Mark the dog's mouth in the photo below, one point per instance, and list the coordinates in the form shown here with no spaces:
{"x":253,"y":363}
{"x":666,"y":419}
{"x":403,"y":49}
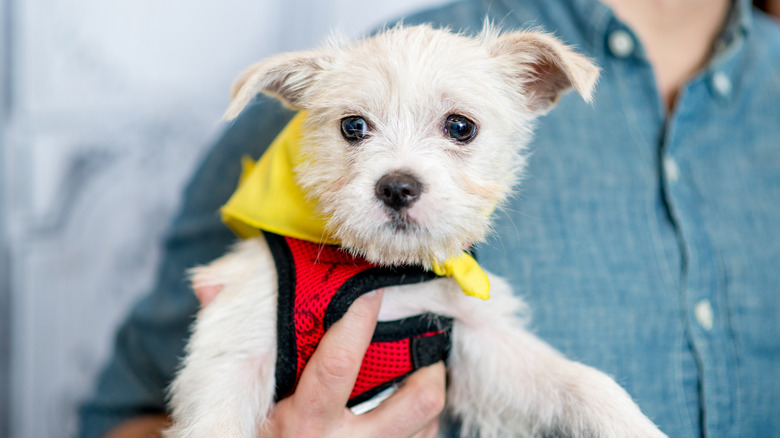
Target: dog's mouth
{"x":400,"y":222}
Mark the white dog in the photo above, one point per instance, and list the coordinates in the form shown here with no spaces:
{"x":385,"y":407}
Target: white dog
{"x":411,"y":139}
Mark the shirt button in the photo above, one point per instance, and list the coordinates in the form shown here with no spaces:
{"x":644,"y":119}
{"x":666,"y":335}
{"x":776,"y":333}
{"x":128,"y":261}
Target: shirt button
{"x":621,"y":43}
{"x":671,"y":170}
{"x":703,"y":313}
{"x":721,"y":83}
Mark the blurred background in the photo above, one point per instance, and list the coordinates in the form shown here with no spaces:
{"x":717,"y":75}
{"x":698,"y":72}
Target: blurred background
{"x":105,"y":107}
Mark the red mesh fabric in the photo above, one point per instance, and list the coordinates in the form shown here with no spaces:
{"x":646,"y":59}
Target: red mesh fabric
{"x":320,"y":271}
{"x":383,"y":362}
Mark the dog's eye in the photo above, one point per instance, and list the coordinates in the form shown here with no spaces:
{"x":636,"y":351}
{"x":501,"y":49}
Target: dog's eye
{"x":460,"y":128}
{"x":354,"y":128}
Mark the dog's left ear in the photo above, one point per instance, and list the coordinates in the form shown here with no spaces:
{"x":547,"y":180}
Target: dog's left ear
{"x":544,"y":68}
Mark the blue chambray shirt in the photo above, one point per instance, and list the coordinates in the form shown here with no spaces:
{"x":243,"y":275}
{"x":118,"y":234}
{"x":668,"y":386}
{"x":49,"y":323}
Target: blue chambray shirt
{"x":647,"y":244}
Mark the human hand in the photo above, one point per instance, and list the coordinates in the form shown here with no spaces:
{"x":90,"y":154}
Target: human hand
{"x":318,"y":406}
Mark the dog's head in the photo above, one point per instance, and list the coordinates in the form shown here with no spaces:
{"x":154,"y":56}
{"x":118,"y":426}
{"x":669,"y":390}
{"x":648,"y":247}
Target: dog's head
{"x":414,"y":136}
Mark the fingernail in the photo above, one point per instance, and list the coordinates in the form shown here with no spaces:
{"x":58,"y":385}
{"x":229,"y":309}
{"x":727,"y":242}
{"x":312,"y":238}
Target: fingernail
{"x":373,"y":295}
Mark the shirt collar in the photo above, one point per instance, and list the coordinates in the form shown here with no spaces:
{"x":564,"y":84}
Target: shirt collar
{"x":593,"y":14}
{"x":737,"y":27}
{"x":596,"y":18}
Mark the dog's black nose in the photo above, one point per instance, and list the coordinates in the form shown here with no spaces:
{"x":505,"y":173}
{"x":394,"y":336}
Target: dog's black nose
{"x":398,"y":190}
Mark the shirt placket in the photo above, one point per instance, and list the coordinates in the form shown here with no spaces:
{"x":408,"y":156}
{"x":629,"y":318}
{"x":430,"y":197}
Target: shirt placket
{"x":702,"y":282}
{"x":703,"y":289}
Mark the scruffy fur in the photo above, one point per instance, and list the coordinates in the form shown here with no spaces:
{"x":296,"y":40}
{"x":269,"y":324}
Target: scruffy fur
{"x":405,"y":82}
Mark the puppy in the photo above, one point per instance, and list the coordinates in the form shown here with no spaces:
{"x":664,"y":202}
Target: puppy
{"x":410,"y":140}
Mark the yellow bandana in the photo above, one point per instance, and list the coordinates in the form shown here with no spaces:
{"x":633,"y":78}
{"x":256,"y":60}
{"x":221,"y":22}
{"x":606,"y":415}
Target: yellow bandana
{"x":268,"y":198}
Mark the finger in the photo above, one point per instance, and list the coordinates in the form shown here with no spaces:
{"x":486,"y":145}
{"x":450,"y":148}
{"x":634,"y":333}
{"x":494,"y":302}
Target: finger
{"x":206,"y":294}
{"x":419,"y":402}
{"x":328,"y":378}
{"x":430,"y":431}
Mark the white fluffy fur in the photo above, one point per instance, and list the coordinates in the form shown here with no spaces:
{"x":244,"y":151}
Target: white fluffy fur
{"x":405,"y":82}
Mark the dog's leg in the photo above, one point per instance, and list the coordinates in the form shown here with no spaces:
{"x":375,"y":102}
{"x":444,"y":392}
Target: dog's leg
{"x":507,"y":382}
{"x":226,"y":385}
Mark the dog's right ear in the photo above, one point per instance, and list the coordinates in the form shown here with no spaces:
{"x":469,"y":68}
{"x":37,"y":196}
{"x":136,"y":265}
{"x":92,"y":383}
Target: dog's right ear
{"x":285,"y":77}
{"x":544,"y":68}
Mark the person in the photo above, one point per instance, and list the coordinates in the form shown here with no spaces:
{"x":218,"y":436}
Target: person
{"x":646,"y":239}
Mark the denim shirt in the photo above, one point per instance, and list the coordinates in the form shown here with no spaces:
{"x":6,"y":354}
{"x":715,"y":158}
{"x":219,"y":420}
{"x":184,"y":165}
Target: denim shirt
{"x":646,"y":243}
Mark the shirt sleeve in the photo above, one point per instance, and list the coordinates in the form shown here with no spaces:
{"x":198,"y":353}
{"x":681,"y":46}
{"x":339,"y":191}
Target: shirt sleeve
{"x":150,"y":342}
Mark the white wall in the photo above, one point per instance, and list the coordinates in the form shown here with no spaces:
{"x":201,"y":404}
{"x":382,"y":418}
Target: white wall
{"x":113,"y":104}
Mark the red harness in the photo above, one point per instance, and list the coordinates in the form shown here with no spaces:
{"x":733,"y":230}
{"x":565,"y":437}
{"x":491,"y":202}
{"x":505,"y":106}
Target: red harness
{"x":317,"y":284}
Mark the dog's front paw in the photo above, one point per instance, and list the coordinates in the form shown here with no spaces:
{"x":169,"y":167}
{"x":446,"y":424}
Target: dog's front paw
{"x":599,"y":407}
